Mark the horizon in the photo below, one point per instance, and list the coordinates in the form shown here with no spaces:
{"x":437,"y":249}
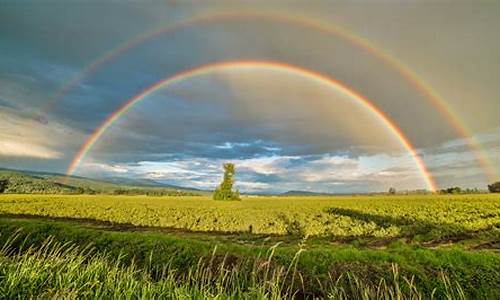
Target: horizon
{"x":341,"y":99}
{"x":150,"y":183}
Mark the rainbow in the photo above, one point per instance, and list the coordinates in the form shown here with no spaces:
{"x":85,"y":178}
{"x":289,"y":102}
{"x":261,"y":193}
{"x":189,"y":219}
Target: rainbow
{"x":265,"y":65}
{"x":412,"y":77}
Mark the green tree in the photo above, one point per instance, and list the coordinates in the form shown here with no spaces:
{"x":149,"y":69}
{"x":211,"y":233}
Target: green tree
{"x":392,"y":191}
{"x":3,"y":185}
{"x":452,"y":190}
{"x":225,"y":191}
{"x":494,"y":187}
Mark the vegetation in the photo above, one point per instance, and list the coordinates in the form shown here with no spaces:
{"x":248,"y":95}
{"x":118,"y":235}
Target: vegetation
{"x":149,"y":264}
{"x":459,"y":191}
{"x":417,"y":217}
{"x":225,"y":191}
{"x":18,"y":182}
{"x":494,"y":187}
{"x":3,"y":185}
{"x":405,"y":247}
{"x":153,"y":192}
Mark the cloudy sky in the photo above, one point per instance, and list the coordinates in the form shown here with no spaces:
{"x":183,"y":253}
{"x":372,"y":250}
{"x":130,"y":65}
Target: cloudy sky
{"x":65,"y":68}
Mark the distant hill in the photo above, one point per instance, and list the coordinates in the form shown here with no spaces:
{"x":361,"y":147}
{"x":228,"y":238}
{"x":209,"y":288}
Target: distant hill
{"x":144,"y":182}
{"x":18,"y":182}
{"x":33,"y":182}
{"x":305,"y":193}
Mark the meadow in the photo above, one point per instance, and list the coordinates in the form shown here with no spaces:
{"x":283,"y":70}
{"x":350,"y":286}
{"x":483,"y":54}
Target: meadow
{"x":356,"y":247}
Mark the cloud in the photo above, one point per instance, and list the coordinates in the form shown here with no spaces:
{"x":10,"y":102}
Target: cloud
{"x":105,"y":168}
{"x":24,"y":135}
{"x":455,"y":163}
{"x":23,"y":149}
{"x":275,"y":173}
{"x":260,"y":112}
{"x":280,"y":128}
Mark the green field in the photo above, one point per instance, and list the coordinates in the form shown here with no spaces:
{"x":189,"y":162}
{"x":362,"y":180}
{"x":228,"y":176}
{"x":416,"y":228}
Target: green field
{"x":428,"y":217}
{"x":264,"y":247}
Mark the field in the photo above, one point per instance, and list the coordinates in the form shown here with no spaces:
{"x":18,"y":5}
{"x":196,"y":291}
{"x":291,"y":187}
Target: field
{"x":380,"y":217}
{"x":264,"y":247}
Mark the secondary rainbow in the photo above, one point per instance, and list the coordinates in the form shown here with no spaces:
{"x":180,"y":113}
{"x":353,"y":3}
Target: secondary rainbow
{"x":264,"y":65}
{"x":412,"y":77}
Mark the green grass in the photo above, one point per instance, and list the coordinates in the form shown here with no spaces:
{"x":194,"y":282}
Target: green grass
{"x":168,"y":247}
{"x":55,"y":270}
{"x":323,"y":271}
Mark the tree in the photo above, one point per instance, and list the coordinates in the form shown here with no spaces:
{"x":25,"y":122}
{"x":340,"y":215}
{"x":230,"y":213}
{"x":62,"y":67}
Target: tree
{"x":3,"y":185}
{"x":494,"y":187}
{"x":452,"y":190}
{"x":225,"y":190}
{"x":392,"y":191}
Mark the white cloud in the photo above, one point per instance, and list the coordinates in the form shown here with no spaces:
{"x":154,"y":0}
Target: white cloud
{"x":330,"y":173}
{"x":26,"y":149}
{"x":102,"y":167}
{"x":23,"y":135}
{"x":265,"y":165}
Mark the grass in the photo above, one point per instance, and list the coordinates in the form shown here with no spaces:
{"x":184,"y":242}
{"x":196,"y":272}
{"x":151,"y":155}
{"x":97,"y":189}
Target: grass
{"x":377,"y":247}
{"x":57,"y":270}
{"x":341,"y":271}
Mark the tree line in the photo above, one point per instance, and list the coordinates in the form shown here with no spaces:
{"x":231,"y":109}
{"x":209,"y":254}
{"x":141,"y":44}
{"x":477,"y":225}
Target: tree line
{"x":456,"y":190}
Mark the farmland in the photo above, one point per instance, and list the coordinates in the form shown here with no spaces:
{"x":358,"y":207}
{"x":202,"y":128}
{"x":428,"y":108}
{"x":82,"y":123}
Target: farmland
{"x":339,"y":247}
{"x":430,"y":217}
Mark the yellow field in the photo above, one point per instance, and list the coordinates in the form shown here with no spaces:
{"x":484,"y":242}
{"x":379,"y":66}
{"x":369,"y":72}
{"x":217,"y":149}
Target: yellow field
{"x":376,"y":216}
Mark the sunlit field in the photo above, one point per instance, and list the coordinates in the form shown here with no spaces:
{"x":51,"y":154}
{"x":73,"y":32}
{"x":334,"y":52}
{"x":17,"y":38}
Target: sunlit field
{"x":260,"y":247}
{"x":351,"y":216}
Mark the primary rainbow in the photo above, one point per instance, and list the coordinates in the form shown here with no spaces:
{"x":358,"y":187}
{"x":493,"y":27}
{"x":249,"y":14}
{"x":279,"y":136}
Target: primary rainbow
{"x":412,"y":77}
{"x":278,"y":66}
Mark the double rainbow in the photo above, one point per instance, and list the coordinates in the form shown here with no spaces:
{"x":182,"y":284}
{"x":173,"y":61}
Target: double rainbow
{"x":412,"y":77}
{"x":260,"y":65}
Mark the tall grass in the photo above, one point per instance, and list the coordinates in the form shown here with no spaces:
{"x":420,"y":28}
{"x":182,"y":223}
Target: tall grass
{"x":349,"y":286}
{"x":64,"y":270}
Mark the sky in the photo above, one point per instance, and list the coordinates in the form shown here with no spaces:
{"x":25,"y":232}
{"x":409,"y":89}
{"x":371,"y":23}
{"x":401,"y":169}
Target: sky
{"x":65,"y":68}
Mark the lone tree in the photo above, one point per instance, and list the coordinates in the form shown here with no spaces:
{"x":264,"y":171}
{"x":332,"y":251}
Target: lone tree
{"x":392,"y":191}
{"x":225,"y":191}
{"x":494,"y":187}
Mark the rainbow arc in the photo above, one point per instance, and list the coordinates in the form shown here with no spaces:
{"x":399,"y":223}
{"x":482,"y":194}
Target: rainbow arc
{"x":423,"y":87}
{"x":335,"y":85}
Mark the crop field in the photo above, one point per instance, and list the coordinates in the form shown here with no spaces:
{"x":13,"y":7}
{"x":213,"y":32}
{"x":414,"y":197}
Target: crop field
{"x":363,"y":247}
{"x":375,"y":216}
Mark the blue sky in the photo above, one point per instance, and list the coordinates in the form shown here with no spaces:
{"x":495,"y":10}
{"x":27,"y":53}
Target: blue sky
{"x":283,"y":131}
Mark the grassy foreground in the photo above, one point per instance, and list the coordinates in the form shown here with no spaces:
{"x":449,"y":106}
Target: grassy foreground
{"x":57,"y":270}
{"x":399,"y":247}
{"x":43,"y":258}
